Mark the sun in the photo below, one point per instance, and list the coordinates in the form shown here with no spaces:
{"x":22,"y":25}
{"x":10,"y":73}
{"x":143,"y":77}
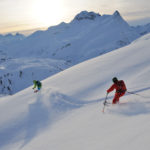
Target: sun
{"x":47,"y":12}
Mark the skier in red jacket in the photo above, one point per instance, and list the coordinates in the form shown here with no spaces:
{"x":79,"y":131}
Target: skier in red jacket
{"x":120,"y":87}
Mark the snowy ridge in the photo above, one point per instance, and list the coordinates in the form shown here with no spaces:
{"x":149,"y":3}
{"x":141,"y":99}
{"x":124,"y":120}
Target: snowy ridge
{"x":71,"y":101}
{"x":9,"y":38}
{"x":143,"y":29}
{"x":86,"y":15}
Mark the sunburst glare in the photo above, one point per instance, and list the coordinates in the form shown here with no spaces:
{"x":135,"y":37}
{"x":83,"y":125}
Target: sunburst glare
{"x":47,"y":12}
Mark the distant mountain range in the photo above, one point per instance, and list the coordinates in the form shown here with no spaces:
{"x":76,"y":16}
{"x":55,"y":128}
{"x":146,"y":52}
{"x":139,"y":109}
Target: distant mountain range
{"x":88,"y":35}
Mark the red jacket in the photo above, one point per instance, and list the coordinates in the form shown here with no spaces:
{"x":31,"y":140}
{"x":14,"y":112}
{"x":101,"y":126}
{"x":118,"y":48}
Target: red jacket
{"x":119,"y":86}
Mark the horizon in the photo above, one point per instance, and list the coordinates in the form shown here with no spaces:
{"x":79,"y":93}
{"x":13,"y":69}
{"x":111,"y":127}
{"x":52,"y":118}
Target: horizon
{"x":28,"y":32}
{"x":41,"y":14}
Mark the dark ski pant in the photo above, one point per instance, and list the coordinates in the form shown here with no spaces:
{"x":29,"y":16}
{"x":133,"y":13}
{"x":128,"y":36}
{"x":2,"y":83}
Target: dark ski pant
{"x":116,"y":97}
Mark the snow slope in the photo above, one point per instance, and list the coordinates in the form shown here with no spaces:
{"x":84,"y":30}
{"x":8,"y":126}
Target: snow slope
{"x":19,"y":73}
{"x":67,"y":113}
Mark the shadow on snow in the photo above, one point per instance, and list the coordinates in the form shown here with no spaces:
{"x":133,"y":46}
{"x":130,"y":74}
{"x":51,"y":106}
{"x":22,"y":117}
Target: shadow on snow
{"x":50,"y":106}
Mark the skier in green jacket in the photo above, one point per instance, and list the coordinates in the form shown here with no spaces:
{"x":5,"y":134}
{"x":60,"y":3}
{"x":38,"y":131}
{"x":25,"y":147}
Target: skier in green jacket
{"x":37,"y":84}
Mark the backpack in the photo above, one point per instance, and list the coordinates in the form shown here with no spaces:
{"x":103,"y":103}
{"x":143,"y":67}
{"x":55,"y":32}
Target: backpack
{"x":38,"y":83}
{"x":121,"y":86}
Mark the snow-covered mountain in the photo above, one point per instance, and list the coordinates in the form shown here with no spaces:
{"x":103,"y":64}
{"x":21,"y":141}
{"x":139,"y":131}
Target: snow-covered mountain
{"x":88,"y":35}
{"x":10,"y":38}
{"x":67,"y":113}
{"x":143,"y":29}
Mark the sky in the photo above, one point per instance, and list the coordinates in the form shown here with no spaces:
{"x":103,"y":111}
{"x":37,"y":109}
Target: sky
{"x":29,"y":15}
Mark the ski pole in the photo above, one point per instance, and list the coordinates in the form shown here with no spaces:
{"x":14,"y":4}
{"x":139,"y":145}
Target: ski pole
{"x":105,"y":103}
{"x":134,"y":93}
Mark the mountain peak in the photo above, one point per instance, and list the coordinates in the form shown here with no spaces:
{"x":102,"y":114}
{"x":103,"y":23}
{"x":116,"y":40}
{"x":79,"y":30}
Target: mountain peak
{"x":86,"y":15}
{"x":116,"y":13}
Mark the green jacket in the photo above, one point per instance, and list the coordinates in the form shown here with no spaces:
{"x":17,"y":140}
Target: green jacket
{"x":37,"y":84}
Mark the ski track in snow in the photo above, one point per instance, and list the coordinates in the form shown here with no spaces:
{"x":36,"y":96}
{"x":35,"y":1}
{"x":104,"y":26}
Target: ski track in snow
{"x":45,"y":109}
{"x":129,"y":108}
{"x":50,"y":105}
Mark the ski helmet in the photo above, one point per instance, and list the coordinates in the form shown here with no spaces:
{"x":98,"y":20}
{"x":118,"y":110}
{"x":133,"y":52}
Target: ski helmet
{"x":115,"y":79}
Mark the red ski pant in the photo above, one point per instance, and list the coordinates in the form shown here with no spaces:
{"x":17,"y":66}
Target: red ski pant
{"x":116,"y":97}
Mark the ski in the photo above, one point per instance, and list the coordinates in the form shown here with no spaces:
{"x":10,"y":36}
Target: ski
{"x":35,"y":91}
